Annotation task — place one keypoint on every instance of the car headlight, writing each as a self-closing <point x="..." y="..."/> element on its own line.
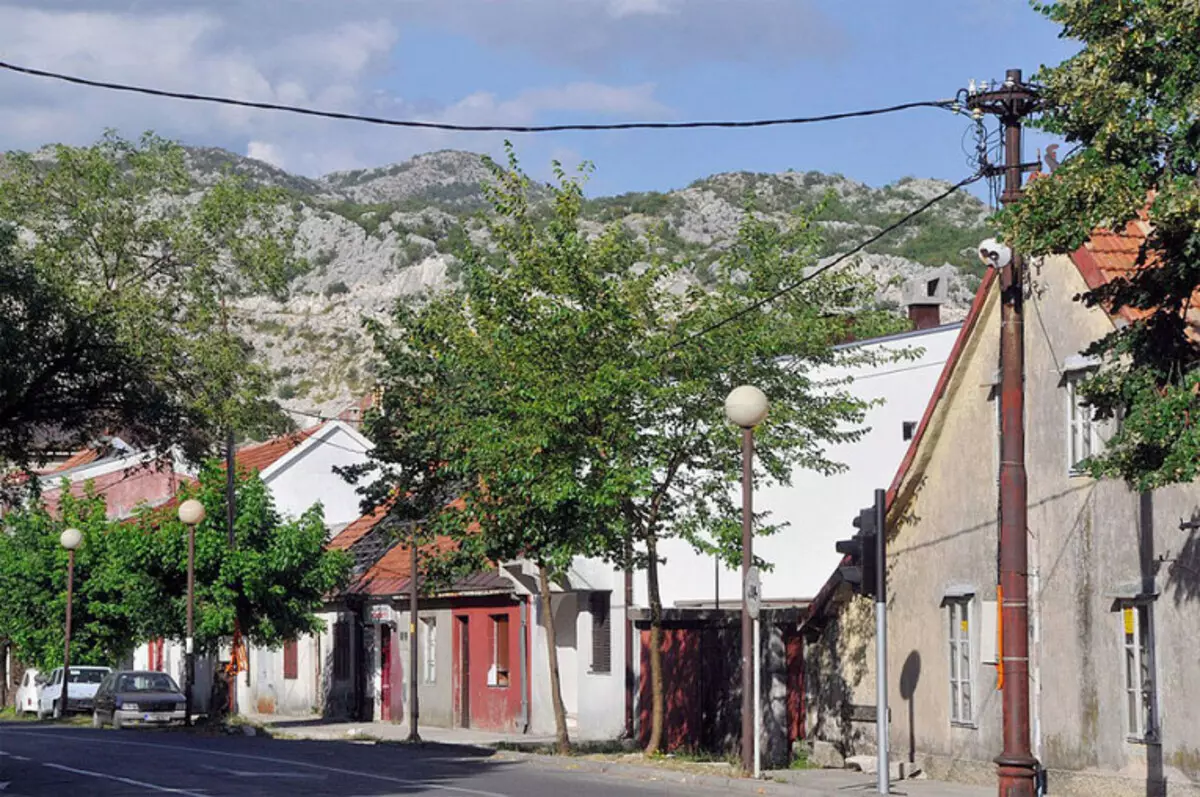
<point x="129" y="706"/>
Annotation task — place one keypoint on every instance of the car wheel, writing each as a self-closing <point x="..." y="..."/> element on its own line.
<point x="96" y="721"/>
<point x="116" y="721"/>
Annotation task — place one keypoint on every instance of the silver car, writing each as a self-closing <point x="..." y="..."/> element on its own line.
<point x="138" y="697"/>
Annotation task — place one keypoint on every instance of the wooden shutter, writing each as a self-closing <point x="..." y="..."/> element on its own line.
<point x="601" y="632"/>
<point x="291" y="664"/>
<point x="341" y="650"/>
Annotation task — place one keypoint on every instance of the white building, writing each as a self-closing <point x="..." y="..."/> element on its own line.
<point x="819" y="509"/>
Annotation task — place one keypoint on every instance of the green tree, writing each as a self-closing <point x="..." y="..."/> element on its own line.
<point x="143" y="263"/>
<point x="560" y="390"/>
<point x="131" y="576"/>
<point x="1128" y="102"/>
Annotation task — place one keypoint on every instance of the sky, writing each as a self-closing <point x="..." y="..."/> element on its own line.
<point x="528" y="62"/>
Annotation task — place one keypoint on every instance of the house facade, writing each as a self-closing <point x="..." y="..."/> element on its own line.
<point x="1113" y="587"/>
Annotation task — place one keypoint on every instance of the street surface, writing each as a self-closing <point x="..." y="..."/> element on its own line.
<point x="45" y="761"/>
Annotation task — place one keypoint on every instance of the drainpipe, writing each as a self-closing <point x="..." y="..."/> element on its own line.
<point x="524" y="676"/>
<point x="1035" y="611"/>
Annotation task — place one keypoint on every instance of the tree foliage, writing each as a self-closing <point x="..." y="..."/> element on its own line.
<point x="573" y="396"/>
<point x="128" y="268"/>
<point x="131" y="575"/>
<point x="1130" y="103"/>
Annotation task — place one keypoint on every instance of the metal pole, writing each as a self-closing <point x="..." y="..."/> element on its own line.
<point x="62" y="700"/>
<point x="1017" y="767"/>
<point x="717" y="582"/>
<point x="747" y="629"/>
<point x="230" y="525"/>
<point x="413" y="652"/>
<point x="629" y="676"/>
<point x="881" y="683"/>
<point x="757" y="698"/>
<point x="189" y="652"/>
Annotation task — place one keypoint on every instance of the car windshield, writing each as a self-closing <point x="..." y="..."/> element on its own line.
<point x="87" y="676"/>
<point x="146" y="682"/>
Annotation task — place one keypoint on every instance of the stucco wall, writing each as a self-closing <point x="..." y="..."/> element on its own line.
<point x="436" y="697"/>
<point x="301" y="480"/>
<point x="1090" y="543"/>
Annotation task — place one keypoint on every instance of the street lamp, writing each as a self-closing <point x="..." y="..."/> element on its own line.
<point x="191" y="514"/>
<point x="747" y="406"/>
<point x="70" y="539"/>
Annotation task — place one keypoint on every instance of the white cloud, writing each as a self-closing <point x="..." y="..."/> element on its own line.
<point x="627" y="8"/>
<point x="301" y="52"/>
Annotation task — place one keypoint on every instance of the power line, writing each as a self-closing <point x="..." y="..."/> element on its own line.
<point x="376" y="120"/>
<point x="760" y="303"/>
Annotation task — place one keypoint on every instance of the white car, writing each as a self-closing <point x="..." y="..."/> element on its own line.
<point x="80" y="691"/>
<point x="28" y="692"/>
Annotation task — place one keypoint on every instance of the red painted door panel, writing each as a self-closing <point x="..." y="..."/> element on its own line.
<point x="385" y="672"/>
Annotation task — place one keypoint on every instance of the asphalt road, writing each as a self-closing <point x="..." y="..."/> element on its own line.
<point x="40" y="760"/>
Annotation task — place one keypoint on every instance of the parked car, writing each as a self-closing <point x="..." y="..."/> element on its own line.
<point x="80" y="691"/>
<point x="28" y="692"/>
<point x="138" y="697"/>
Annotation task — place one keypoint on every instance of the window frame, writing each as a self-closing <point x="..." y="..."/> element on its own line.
<point x="601" y="601"/>
<point x="1079" y="420"/>
<point x="1139" y="703"/>
<point x="501" y="676"/>
<point x="960" y="609"/>
<point x="429" y="650"/>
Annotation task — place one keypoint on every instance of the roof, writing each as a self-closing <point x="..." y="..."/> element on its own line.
<point x="390" y="574"/>
<point x="83" y="457"/>
<point x="358" y="529"/>
<point x="260" y="456"/>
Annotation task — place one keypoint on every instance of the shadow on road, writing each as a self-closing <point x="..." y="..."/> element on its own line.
<point x="228" y="765"/>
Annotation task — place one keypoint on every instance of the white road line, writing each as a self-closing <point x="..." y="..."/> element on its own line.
<point x="126" y="781"/>
<point x="20" y="757"/>
<point x="247" y="757"/>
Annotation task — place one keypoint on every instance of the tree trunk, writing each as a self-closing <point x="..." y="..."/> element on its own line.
<point x="4" y="674"/>
<point x="560" y="711"/>
<point x="654" y="746"/>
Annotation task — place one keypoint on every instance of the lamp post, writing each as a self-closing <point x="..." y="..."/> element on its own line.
<point x="191" y="514"/>
<point x="70" y="539"/>
<point x="747" y="407"/>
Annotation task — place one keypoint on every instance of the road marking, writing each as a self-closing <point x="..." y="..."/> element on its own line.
<point x="247" y="757"/>
<point x="126" y="781"/>
<point x="20" y="757"/>
<point x="241" y="774"/>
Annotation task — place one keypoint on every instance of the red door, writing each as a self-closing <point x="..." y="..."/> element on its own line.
<point x="385" y="672"/>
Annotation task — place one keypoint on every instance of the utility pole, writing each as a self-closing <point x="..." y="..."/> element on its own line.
<point x="230" y="521"/>
<point x="881" y="690"/>
<point x="413" y="652"/>
<point x="1017" y="768"/>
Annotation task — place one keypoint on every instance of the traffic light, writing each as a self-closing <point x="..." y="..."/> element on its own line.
<point x="860" y="572"/>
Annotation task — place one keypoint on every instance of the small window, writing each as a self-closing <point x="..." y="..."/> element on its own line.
<point x="291" y="663"/>
<point x="601" y="632"/>
<point x="962" y="692"/>
<point x="909" y="429"/>
<point x="1083" y="440"/>
<point x="341" y="650"/>
<point x="1137" y="645"/>
<point x="429" y="648"/>
<point x="499" y="673"/>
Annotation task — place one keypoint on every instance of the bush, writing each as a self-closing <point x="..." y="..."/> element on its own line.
<point x="336" y="288"/>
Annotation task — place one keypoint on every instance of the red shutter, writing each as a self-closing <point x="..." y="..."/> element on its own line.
<point x="291" y="667"/>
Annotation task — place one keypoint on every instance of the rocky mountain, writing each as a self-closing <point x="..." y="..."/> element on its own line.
<point x="373" y="235"/>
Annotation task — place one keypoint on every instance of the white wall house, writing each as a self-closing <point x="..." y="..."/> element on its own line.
<point x="819" y="509"/>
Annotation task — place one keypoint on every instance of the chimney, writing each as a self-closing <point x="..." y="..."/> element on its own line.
<point x="924" y="297"/>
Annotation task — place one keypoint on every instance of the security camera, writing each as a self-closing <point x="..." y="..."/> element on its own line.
<point x="995" y="254"/>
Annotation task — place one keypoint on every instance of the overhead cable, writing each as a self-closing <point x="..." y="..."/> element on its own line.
<point x="482" y="128"/>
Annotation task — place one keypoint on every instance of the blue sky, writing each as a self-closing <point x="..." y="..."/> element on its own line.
<point x="531" y="61"/>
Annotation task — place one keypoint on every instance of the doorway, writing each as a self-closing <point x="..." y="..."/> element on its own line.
<point x="464" y="673"/>
<point x="385" y="673"/>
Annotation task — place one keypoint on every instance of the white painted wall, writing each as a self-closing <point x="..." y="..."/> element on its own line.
<point x="305" y="475"/>
<point x="819" y="509"/>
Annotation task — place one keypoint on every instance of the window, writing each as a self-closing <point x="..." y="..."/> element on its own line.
<point x="429" y="637"/>
<point x="291" y="664"/>
<point x="909" y="429"/>
<point x="601" y="632"/>
<point x="499" y="673"/>
<point x="1082" y="438"/>
<point x="341" y="650"/>
<point x="961" y="666"/>
<point x="1137" y="643"/>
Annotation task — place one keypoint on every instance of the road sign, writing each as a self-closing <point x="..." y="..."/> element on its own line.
<point x="753" y="587"/>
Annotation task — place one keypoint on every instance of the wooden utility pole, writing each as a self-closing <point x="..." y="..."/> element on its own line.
<point x="1017" y="768"/>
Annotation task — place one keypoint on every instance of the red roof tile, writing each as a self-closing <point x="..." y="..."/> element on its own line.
<point x="358" y="529"/>
<point x="79" y="458"/>
<point x="390" y="575"/>
<point x="260" y="456"/>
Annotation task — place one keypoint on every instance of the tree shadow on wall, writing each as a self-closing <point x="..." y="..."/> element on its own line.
<point x="841" y="667"/>
<point x="1183" y="572"/>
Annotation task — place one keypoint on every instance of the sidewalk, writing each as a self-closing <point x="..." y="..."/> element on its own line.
<point x="786" y="783"/>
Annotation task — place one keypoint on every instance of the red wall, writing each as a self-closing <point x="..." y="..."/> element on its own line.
<point x="493" y="708"/>
<point x="124" y="491"/>
<point x="682" y="711"/>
